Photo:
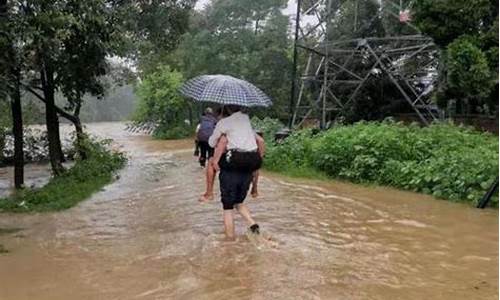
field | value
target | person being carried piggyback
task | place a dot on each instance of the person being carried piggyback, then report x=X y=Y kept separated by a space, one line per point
x=237 y=155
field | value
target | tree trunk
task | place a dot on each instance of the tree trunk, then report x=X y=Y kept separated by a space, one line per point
x=17 y=129
x=13 y=72
x=59 y=144
x=80 y=136
x=75 y=119
x=52 y=122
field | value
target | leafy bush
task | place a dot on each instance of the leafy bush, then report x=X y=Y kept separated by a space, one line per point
x=444 y=160
x=295 y=152
x=268 y=126
x=76 y=184
x=159 y=98
x=180 y=131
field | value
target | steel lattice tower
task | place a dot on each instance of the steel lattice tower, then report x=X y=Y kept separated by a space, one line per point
x=334 y=70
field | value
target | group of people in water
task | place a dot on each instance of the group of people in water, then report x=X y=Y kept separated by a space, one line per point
x=227 y=143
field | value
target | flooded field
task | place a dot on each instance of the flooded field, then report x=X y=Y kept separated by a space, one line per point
x=146 y=237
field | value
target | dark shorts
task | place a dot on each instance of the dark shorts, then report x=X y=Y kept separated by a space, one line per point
x=205 y=151
x=241 y=161
x=234 y=187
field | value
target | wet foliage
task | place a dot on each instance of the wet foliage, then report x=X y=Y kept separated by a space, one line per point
x=267 y=126
x=179 y=131
x=161 y=105
x=76 y=184
x=442 y=160
x=466 y=31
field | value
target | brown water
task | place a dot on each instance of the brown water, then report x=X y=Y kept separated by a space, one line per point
x=146 y=237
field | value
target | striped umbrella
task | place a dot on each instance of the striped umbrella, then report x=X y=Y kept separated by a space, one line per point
x=225 y=90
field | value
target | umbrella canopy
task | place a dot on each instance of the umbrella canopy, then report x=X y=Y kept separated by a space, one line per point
x=225 y=90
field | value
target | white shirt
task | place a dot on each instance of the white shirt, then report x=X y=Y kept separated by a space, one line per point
x=238 y=131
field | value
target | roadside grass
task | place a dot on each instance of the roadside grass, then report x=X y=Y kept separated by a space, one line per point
x=180 y=131
x=75 y=185
x=298 y=172
x=443 y=160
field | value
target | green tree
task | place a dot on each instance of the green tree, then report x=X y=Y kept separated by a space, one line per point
x=69 y=41
x=467 y=33
x=64 y=48
x=245 y=39
x=159 y=98
x=446 y=20
x=10 y=74
x=468 y=73
x=149 y=30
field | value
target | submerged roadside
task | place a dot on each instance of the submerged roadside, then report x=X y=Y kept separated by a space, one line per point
x=76 y=184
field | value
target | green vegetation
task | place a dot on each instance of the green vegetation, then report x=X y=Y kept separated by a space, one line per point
x=56 y=53
x=161 y=103
x=76 y=184
x=467 y=33
x=443 y=160
x=180 y=131
x=245 y=39
x=268 y=126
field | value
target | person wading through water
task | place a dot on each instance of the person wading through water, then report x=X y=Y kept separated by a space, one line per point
x=236 y=165
x=219 y=150
x=203 y=132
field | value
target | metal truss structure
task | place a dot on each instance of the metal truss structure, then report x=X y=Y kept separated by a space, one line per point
x=334 y=72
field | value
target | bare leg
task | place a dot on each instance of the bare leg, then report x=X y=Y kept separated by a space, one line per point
x=261 y=145
x=261 y=148
x=245 y=213
x=212 y=168
x=255 y=181
x=210 y=178
x=229 y=224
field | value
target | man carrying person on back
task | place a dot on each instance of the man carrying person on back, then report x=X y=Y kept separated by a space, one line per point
x=236 y=166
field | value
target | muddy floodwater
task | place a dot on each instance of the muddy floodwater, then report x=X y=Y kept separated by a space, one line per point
x=145 y=236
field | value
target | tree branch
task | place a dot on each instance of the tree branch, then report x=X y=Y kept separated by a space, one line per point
x=59 y=110
x=29 y=89
x=66 y=115
x=36 y=87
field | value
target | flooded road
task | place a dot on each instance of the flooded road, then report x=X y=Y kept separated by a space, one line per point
x=146 y=237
